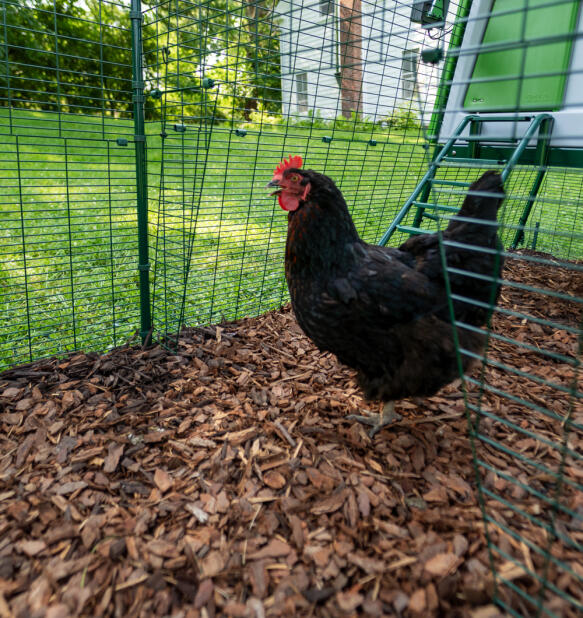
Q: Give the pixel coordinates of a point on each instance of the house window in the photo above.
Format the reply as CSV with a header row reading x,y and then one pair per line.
x,y
380,32
409,74
302,91
325,7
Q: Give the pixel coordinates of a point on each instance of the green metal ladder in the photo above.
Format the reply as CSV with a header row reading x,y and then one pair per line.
x,y
540,125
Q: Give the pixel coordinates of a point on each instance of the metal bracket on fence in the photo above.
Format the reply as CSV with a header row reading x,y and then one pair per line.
x,y
432,55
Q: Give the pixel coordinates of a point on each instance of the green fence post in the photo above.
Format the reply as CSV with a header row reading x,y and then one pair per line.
x,y
141,171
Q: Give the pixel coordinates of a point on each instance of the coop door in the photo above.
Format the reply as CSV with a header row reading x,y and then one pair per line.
x,y
529,76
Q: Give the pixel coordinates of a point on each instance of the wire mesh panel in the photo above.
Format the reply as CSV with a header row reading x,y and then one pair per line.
x,y
511,100
136,142
67,185
230,88
233,87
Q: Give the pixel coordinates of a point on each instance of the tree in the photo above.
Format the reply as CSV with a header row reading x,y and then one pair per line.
x,y
75,57
235,44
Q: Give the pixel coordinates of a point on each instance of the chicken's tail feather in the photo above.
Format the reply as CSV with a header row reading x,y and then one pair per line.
x,y
484,197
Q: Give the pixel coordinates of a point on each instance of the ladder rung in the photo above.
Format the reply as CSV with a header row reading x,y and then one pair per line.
x,y
537,122
475,162
450,183
411,230
440,207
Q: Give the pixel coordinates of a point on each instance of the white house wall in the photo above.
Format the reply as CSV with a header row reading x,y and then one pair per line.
x,y
308,43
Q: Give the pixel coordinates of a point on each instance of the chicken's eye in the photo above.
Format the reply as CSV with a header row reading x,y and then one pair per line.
x,y
295,177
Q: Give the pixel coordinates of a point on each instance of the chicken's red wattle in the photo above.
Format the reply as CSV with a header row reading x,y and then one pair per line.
x,y
288,202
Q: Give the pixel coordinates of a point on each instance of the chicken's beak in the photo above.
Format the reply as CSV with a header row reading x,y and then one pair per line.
x,y
274,183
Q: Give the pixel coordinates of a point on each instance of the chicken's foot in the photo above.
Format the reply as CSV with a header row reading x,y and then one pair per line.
x,y
388,416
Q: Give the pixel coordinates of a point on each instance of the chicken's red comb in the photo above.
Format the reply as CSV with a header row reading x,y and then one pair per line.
x,y
295,162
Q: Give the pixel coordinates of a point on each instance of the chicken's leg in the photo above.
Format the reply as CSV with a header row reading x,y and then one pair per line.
x,y
388,416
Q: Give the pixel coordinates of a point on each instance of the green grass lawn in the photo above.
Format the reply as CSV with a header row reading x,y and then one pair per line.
x,y
68,267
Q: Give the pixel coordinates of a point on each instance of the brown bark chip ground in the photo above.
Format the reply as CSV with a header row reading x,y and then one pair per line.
x,y
224,480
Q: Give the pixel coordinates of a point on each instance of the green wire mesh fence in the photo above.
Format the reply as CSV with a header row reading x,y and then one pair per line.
x,y
67,180
137,138
238,86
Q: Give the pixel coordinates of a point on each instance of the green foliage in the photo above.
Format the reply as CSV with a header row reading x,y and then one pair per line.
x,y
355,122
66,56
262,117
404,118
315,122
72,57
233,43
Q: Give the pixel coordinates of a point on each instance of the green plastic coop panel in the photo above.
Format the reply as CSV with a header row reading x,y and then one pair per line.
x,y
500,88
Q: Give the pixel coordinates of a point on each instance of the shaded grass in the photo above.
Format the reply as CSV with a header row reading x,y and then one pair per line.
x,y
68,268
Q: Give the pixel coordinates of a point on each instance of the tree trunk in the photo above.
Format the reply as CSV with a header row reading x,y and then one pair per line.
x,y
351,56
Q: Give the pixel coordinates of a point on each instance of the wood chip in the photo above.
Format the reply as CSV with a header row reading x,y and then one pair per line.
x,y
442,564
274,479
31,548
163,480
274,549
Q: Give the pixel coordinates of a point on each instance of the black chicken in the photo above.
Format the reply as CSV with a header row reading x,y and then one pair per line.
x,y
384,311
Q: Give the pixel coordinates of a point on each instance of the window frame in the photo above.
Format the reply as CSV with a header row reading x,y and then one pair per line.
x,y
409,71
302,96
325,7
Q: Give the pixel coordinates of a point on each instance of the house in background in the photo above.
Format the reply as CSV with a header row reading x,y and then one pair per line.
x,y
344,56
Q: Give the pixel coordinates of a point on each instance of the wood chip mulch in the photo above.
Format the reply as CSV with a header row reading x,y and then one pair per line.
x,y
224,480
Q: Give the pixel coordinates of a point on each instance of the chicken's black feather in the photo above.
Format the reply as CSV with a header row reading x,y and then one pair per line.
x,y
384,311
